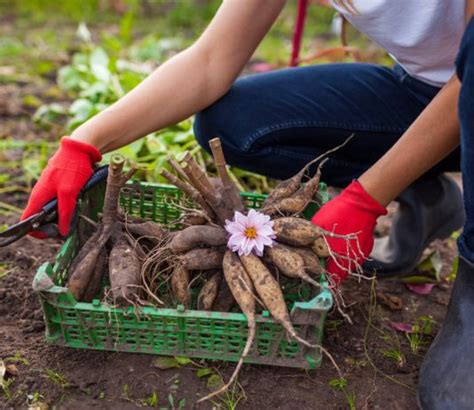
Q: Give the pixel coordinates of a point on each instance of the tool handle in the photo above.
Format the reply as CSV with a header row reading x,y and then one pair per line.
x,y
98,176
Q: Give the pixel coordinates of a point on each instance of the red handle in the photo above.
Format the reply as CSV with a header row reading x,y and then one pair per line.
x,y
298,33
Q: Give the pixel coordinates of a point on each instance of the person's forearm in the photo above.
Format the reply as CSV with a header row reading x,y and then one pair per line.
x,y
190,81
172,93
433,135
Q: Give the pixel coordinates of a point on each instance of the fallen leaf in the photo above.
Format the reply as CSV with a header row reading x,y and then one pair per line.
x,y
401,327
215,381
391,301
431,265
164,363
204,372
418,279
454,270
183,360
420,289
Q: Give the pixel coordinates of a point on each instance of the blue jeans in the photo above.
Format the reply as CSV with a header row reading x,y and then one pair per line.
x,y
465,71
275,123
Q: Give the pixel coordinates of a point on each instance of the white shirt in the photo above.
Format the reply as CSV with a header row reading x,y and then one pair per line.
x,y
423,36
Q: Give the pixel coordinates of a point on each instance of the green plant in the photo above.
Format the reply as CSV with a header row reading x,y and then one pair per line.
x,y
5,270
7,392
180,405
230,399
151,401
57,378
18,358
35,398
417,338
395,355
340,384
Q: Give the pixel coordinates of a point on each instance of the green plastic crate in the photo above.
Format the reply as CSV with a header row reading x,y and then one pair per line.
x,y
174,332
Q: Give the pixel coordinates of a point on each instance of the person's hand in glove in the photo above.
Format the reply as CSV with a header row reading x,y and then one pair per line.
x,y
66,173
354,211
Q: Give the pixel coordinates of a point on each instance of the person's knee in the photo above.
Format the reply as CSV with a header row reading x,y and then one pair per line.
x,y
466,51
204,127
217,120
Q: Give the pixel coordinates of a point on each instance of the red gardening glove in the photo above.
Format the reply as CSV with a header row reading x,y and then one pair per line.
x,y
67,172
354,211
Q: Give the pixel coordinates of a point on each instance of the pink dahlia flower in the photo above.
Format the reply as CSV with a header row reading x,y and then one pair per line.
x,y
250,233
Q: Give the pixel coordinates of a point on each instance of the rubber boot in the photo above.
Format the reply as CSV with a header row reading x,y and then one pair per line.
x,y
431,208
446,380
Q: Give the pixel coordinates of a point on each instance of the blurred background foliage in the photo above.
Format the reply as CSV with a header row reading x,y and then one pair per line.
x,y
63,62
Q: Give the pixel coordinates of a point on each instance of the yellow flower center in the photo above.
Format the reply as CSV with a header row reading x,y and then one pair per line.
x,y
251,233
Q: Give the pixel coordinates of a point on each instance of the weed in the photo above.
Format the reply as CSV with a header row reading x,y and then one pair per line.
x,y
8,394
57,378
126,392
176,406
5,270
230,399
396,355
423,327
34,398
18,358
333,325
340,384
151,401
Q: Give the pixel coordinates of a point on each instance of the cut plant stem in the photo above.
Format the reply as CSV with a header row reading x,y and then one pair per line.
x,y
199,174
230,190
189,191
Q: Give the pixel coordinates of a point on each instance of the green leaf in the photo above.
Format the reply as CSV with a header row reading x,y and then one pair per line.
x,y
69,78
183,360
163,363
96,92
204,372
83,33
31,100
454,270
126,24
99,64
431,265
215,381
418,279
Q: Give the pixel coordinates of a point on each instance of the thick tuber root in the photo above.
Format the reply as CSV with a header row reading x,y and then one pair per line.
x,y
296,231
202,259
209,291
84,267
84,264
321,248
124,273
270,293
311,261
241,287
297,202
95,283
195,236
180,285
289,262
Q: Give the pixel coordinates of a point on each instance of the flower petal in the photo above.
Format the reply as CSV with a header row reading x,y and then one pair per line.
x,y
259,245
233,228
240,218
265,240
265,231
